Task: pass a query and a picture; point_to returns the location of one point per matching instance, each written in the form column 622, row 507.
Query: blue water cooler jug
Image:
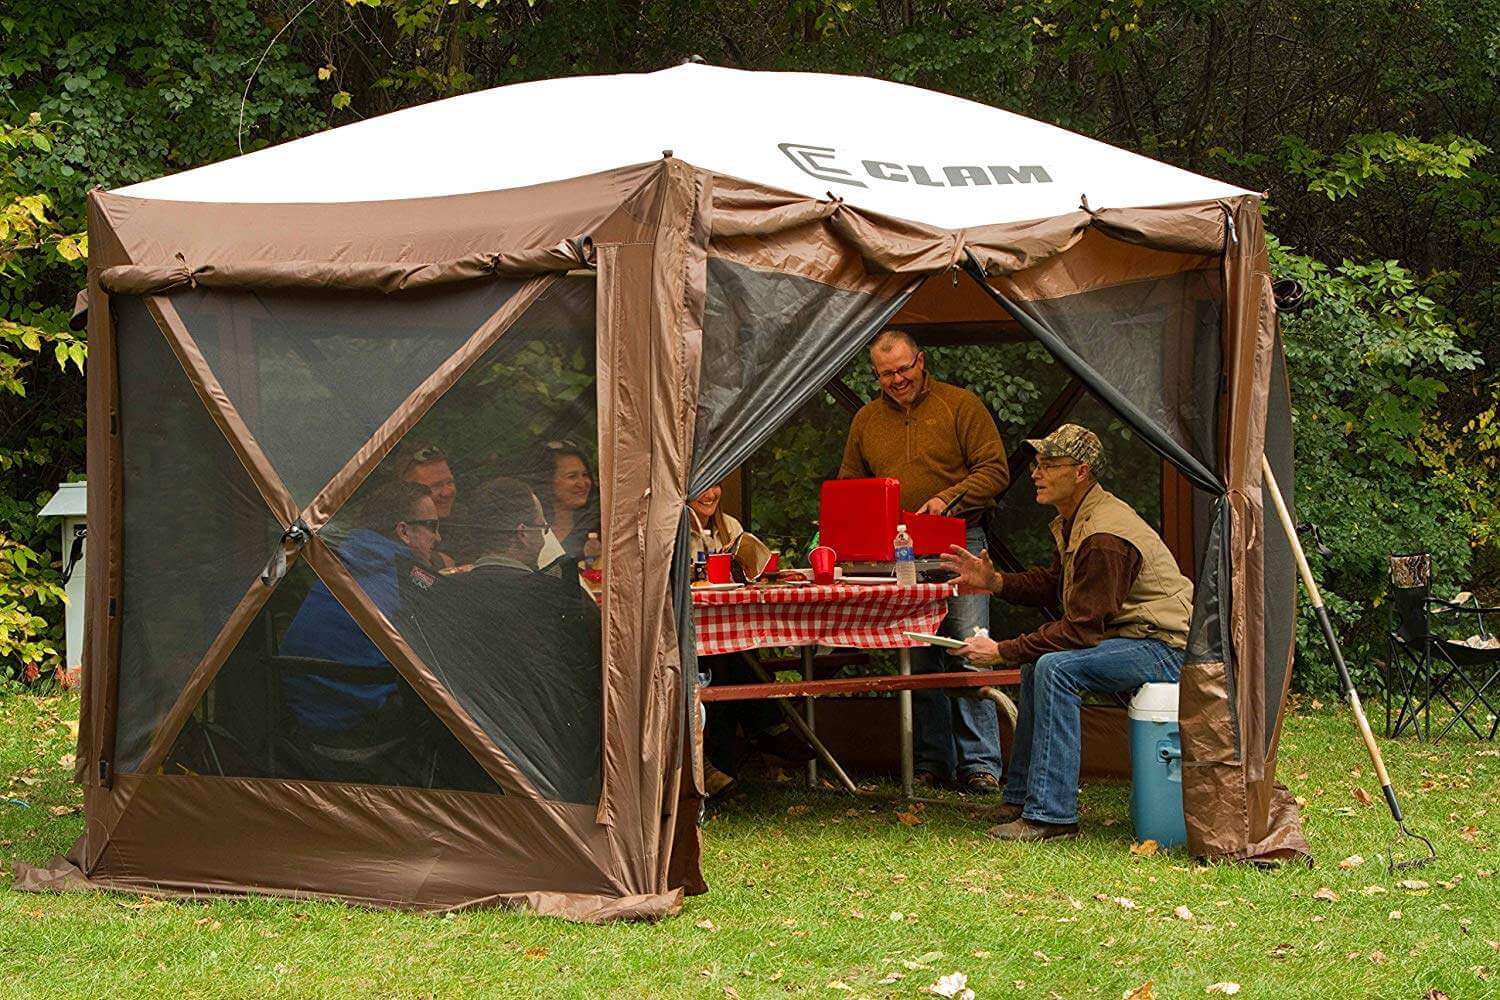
column 1156, row 766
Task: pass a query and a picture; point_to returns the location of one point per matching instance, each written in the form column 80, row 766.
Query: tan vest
column 1160, row 602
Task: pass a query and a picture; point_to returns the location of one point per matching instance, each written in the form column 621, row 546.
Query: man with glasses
column 940, row 441
column 520, row 649
column 1126, row 610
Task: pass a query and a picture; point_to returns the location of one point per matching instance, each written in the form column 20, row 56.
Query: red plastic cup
column 719, row 568
column 772, row 566
column 821, row 560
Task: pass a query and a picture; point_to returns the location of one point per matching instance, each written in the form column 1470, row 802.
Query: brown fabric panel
column 382, row 845
column 206, row 385
column 394, row 647
column 342, row 486
column 740, row 210
column 313, row 275
column 1213, row 787
column 1018, row 246
column 203, row 674
column 1194, row 228
column 104, row 545
column 61, row 875
column 681, row 734
column 409, row 231
column 1096, row 261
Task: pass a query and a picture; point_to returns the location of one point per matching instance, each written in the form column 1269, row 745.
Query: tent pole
column 1350, row 694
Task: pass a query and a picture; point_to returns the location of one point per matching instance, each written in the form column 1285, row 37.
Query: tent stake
column 1350, row 694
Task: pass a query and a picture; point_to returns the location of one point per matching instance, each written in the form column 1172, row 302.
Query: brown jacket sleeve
column 1104, row 568
column 853, row 465
column 984, row 454
column 1036, row 587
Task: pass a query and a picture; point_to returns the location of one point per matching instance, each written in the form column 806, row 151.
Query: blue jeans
column 955, row 737
column 1044, row 759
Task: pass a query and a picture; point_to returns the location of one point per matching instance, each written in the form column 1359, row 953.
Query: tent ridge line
column 384, row 277
column 339, row 489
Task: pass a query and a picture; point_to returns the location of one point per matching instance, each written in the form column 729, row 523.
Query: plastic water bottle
column 906, row 559
column 592, row 551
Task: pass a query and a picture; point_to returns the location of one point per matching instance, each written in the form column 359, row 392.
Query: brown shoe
column 979, row 783
column 1008, row 812
column 715, row 781
column 1027, row 831
column 929, row 780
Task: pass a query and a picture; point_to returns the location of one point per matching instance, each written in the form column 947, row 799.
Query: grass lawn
column 815, row 895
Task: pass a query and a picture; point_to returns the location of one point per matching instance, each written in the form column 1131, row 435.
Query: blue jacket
column 323, row 630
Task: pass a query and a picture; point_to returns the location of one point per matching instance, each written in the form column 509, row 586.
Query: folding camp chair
column 1422, row 666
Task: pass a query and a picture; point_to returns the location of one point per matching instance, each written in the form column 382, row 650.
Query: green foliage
column 1369, row 362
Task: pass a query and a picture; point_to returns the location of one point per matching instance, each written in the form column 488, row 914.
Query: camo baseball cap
column 1070, row 441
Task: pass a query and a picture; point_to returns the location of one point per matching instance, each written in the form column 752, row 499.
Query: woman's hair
column 555, row 450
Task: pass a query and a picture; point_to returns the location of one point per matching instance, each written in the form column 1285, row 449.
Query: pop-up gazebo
column 659, row 269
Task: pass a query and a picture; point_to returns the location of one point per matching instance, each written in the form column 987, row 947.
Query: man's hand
column 933, row 506
column 980, row 651
column 976, row 574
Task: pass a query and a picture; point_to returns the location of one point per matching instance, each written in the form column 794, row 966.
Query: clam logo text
column 826, row 164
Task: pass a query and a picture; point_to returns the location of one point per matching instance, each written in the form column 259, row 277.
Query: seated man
column 397, row 527
column 714, row 531
column 1126, row 610
column 426, row 466
column 519, row 649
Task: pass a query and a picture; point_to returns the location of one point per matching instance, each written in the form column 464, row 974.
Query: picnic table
column 837, row 615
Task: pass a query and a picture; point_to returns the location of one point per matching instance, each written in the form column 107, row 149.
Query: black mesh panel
column 1280, row 568
column 306, row 695
column 1157, row 343
column 449, row 537
column 313, row 376
column 196, row 531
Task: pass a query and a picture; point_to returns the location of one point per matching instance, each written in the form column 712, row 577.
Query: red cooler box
column 857, row 518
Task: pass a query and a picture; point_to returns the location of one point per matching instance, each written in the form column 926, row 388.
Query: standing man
column 939, row 441
column 1126, row 610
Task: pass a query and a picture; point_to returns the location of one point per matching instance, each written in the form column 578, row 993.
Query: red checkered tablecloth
column 835, row 615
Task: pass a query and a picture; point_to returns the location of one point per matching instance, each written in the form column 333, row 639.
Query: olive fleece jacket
column 946, row 441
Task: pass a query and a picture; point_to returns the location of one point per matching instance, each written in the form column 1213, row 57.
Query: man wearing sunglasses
column 940, row 441
column 1126, row 609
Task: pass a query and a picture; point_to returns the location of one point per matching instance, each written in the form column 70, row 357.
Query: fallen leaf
column 954, row 986
column 1125, row 903
column 706, row 925
column 1363, row 797
column 981, row 953
column 1352, row 861
column 897, row 916
column 1394, row 915
column 535, row 952
column 1145, row 991
column 1469, row 833
column 1411, row 884
column 65, row 810
column 1229, row 989
column 1041, row 956
column 1378, row 957
column 892, row 977
column 731, row 993
column 1183, row 913
column 909, row 818
column 799, row 810
column 1435, row 994
column 1373, row 890
column 839, row 984
column 1145, row 849
column 67, row 760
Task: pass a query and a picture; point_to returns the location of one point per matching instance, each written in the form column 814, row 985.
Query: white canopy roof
column 906, row 152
